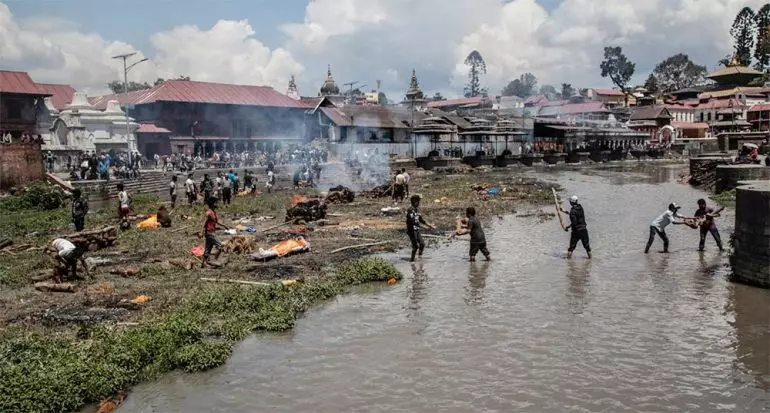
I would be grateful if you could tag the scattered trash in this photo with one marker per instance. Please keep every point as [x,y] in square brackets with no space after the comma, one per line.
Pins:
[283,248]
[493,191]
[198,251]
[111,404]
[231,232]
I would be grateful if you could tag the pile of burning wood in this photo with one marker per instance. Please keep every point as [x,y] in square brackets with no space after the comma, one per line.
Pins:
[340,195]
[378,191]
[303,209]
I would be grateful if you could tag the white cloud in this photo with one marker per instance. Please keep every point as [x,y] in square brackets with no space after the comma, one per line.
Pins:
[57,51]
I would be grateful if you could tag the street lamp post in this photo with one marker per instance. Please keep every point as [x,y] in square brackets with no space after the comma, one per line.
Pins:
[126,68]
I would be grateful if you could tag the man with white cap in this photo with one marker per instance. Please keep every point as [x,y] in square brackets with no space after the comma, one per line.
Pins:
[658,226]
[577,220]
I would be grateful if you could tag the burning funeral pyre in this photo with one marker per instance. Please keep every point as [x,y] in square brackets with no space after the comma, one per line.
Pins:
[340,195]
[305,209]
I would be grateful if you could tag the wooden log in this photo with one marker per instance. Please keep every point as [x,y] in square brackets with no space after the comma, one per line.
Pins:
[278,226]
[558,209]
[371,244]
[55,288]
[126,272]
[229,281]
[44,275]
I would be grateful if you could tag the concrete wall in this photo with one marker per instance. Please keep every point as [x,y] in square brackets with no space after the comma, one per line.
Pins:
[728,176]
[19,164]
[751,257]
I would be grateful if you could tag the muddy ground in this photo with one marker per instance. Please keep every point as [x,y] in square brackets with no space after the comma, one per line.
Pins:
[104,297]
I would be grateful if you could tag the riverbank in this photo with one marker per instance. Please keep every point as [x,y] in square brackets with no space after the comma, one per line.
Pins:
[62,350]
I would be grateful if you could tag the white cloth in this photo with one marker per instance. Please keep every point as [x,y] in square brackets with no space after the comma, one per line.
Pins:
[123,199]
[406,178]
[65,247]
[400,180]
[666,218]
[172,186]
[270,179]
[189,186]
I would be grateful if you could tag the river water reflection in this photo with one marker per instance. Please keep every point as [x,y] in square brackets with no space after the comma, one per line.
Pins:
[529,331]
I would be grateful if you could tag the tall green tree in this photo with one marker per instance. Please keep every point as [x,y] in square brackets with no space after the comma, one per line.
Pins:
[523,87]
[618,68]
[567,91]
[477,67]
[116,86]
[651,84]
[762,50]
[743,33]
[678,72]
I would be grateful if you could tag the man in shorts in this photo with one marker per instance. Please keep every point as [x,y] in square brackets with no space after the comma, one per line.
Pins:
[478,239]
[210,225]
[67,257]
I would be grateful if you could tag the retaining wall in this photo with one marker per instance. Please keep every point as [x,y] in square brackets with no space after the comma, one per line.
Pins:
[729,176]
[751,257]
[19,164]
[703,169]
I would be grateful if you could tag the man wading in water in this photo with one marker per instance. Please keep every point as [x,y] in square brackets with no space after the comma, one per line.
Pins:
[659,226]
[413,221]
[478,239]
[708,224]
[577,222]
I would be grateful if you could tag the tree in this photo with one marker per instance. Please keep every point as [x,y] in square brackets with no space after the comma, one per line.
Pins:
[583,92]
[678,72]
[159,81]
[618,68]
[762,51]
[567,91]
[477,67]
[725,61]
[743,33]
[382,99]
[183,77]
[117,86]
[437,97]
[522,87]
[549,92]
[652,84]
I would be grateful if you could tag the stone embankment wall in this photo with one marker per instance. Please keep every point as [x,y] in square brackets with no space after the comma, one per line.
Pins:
[703,169]
[729,176]
[19,164]
[751,257]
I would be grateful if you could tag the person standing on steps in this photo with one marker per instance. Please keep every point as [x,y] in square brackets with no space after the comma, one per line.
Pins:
[708,214]
[413,222]
[658,226]
[577,222]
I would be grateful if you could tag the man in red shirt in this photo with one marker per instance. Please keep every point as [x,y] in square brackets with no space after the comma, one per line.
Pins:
[210,225]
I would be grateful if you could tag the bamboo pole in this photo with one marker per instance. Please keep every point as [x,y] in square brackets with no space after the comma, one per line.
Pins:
[558,210]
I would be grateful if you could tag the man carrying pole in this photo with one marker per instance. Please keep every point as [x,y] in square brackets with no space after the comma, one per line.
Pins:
[577,220]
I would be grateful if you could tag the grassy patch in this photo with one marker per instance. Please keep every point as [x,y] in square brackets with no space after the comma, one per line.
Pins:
[725,196]
[45,373]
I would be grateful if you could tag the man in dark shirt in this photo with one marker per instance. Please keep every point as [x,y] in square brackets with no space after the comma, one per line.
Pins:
[707,224]
[478,239]
[413,221]
[577,220]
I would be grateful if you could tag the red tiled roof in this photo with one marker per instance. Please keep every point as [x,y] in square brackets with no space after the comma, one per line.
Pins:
[760,108]
[151,128]
[536,100]
[554,103]
[650,113]
[690,125]
[20,83]
[206,92]
[608,92]
[61,95]
[721,104]
[455,102]
[587,107]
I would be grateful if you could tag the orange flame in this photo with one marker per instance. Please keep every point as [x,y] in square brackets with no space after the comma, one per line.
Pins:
[296,199]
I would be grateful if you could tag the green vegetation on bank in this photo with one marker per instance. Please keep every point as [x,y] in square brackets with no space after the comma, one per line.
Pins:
[44,373]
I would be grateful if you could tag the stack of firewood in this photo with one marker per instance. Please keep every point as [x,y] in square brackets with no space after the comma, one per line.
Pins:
[95,239]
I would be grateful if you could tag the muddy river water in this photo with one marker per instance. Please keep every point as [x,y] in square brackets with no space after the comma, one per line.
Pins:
[529,331]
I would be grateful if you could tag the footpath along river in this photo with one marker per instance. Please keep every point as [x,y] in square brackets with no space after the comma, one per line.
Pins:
[529,331]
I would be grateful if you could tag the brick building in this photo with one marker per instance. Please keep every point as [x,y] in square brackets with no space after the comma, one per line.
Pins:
[19,96]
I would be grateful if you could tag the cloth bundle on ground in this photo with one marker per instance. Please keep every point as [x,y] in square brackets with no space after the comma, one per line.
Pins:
[282,249]
[149,223]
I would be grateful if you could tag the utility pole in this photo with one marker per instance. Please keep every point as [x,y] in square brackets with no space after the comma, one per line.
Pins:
[126,68]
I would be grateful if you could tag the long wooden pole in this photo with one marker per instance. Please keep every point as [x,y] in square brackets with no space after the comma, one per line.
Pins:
[360,246]
[558,209]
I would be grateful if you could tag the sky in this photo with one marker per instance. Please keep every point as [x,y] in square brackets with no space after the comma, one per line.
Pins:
[265,42]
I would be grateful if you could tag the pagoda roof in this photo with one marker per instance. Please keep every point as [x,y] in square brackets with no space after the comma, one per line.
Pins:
[734,71]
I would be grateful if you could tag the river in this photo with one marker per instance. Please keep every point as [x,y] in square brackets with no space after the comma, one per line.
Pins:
[529,331]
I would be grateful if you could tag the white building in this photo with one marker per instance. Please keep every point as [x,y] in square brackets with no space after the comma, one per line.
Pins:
[79,127]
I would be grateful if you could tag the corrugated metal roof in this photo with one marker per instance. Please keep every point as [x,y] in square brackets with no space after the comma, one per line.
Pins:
[151,128]
[207,92]
[608,92]
[19,83]
[573,109]
[455,102]
[760,108]
[650,113]
[372,116]
[61,95]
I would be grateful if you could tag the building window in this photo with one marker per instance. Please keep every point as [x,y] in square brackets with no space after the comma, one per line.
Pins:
[701,116]
[708,117]
[14,108]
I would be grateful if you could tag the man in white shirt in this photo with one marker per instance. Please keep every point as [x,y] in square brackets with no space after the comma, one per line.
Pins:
[407,178]
[398,187]
[124,206]
[270,180]
[67,256]
[658,226]
[189,189]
